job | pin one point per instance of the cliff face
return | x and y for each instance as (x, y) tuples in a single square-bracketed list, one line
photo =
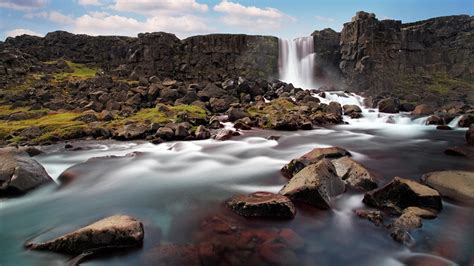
[(160, 53), (419, 61)]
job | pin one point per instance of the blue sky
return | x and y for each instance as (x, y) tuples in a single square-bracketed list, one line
[(283, 18)]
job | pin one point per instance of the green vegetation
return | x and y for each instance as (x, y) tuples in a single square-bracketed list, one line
[(272, 108), (78, 72)]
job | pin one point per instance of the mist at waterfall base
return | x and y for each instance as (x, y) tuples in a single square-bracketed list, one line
[(171, 187)]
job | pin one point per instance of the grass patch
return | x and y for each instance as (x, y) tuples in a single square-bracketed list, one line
[(272, 108), (79, 72)]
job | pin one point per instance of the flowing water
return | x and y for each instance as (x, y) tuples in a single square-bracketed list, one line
[(172, 186), (297, 62)]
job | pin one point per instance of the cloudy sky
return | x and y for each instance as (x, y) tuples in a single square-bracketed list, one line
[(283, 18)]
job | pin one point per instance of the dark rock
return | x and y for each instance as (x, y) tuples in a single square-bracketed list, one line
[(242, 126), (181, 132), (389, 105), (466, 120), (375, 217), (262, 204), (236, 114), (354, 174), (224, 134), (87, 118), (165, 133), (463, 151), (457, 185), (350, 109), (402, 193), (295, 165), (315, 185), (334, 108), (202, 132), (132, 131), (19, 173), (114, 232), (443, 127), (434, 120), (470, 135), (407, 107)]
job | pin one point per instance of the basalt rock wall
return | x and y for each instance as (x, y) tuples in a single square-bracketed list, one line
[(159, 53)]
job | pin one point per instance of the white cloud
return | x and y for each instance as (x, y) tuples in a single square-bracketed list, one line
[(251, 17), (53, 16), (154, 7), (89, 2), (18, 32), (324, 19), (22, 5), (100, 23)]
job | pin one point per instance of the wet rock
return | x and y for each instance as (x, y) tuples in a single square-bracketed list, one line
[(434, 120), (225, 134), (274, 138), (262, 204), (114, 232), (376, 217), (410, 219), (352, 109), (132, 131), (165, 133), (423, 110), (295, 165), (462, 151), (334, 108), (173, 255), (443, 127), (315, 185), (470, 135), (242, 126), (389, 105), (466, 120), (401, 193), (407, 107), (19, 173), (457, 185), (181, 132), (354, 174), (236, 114), (202, 132)]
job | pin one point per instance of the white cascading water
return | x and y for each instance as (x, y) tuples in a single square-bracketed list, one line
[(296, 62)]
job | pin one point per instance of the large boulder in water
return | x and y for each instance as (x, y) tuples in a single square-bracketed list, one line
[(262, 204), (402, 193), (458, 185), (19, 173), (423, 109), (354, 174), (295, 165), (334, 108), (114, 232), (389, 105), (315, 185)]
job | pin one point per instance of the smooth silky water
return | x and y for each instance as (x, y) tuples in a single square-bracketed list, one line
[(172, 186)]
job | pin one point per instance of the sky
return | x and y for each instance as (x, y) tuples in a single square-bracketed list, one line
[(283, 18)]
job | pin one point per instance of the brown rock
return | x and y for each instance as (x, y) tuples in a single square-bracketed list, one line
[(262, 204), (315, 184), (354, 174), (402, 193), (114, 232), (458, 185), (470, 135), (422, 110), (389, 105)]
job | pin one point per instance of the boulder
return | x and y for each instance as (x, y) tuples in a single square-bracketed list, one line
[(236, 114), (262, 204), (351, 108), (114, 232), (457, 185), (132, 131), (470, 135), (434, 120), (376, 217), (315, 185), (225, 134), (409, 220), (202, 132), (462, 151), (334, 108), (295, 165), (401, 193), (389, 105), (354, 174), (165, 133), (19, 173), (466, 120), (423, 110)]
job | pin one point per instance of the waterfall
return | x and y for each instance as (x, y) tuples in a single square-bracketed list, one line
[(296, 62)]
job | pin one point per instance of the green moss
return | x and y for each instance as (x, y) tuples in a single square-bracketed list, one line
[(193, 111), (51, 124), (79, 71), (272, 108)]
